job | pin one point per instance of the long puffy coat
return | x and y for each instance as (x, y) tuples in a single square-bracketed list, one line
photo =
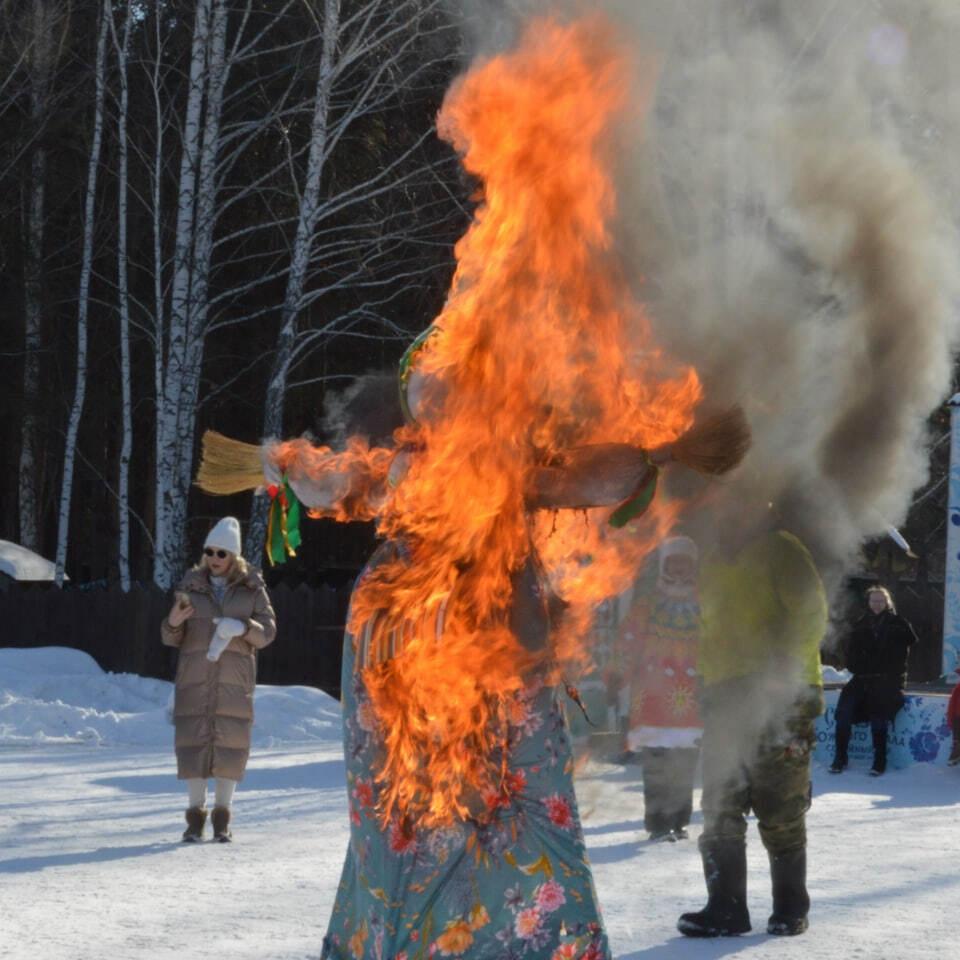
[(876, 654), (213, 706)]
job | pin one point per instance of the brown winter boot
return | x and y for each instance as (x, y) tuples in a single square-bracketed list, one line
[(196, 818), (221, 824)]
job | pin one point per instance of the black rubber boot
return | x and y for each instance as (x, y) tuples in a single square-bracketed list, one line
[(196, 818), (879, 753), (725, 871), (791, 902), (221, 824)]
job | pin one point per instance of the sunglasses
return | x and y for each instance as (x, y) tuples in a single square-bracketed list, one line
[(220, 554)]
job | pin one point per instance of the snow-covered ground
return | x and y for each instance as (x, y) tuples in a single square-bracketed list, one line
[(91, 866)]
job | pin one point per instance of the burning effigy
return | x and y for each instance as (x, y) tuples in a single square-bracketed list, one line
[(521, 492)]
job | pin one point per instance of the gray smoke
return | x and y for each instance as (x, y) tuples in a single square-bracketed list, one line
[(369, 407), (787, 212), (786, 208)]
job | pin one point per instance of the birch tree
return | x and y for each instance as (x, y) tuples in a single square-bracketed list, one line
[(179, 345), (157, 38), (300, 253), (212, 59), (41, 64), (122, 52), (83, 301)]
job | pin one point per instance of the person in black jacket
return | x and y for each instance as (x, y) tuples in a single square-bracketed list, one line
[(876, 654)]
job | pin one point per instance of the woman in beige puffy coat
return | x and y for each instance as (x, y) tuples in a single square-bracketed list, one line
[(220, 618)]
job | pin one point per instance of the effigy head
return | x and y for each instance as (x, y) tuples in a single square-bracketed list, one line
[(420, 392)]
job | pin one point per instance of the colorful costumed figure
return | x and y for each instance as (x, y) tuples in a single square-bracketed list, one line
[(659, 644)]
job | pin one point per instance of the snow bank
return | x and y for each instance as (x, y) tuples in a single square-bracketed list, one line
[(59, 695), (832, 675)]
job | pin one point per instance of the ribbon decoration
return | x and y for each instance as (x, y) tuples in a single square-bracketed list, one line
[(283, 526), (408, 363), (638, 502)]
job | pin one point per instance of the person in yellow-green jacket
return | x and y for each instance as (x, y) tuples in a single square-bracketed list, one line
[(764, 613)]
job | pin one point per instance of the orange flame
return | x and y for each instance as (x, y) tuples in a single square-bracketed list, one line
[(540, 348)]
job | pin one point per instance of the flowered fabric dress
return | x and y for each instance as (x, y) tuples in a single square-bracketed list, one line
[(516, 886)]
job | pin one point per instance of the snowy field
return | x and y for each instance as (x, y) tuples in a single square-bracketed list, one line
[(91, 866)]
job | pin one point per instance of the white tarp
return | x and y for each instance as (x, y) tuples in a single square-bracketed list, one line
[(23, 564)]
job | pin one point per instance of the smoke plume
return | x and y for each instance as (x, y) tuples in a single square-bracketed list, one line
[(787, 185), (785, 189)]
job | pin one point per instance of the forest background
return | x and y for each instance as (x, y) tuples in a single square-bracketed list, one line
[(211, 212)]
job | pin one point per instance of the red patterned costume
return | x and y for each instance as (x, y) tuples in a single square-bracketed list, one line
[(659, 639)]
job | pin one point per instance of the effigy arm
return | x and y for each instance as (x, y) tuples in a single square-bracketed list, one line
[(344, 485), (349, 484), (597, 475)]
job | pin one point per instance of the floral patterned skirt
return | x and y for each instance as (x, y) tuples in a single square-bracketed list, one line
[(516, 886)]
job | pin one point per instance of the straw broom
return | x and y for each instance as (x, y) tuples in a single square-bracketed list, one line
[(228, 466), (716, 444)]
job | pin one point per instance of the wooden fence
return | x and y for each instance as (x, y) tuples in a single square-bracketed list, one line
[(121, 631)]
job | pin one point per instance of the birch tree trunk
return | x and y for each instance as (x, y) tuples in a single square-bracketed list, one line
[(198, 210), (168, 539), (86, 268), (122, 49), (159, 326), (217, 73), (41, 63), (299, 262)]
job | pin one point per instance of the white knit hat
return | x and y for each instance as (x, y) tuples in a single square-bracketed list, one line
[(225, 535)]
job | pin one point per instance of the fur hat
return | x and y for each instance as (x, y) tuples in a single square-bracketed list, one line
[(225, 535)]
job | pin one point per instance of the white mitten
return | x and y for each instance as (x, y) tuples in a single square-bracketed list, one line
[(227, 629), (231, 627), (218, 644)]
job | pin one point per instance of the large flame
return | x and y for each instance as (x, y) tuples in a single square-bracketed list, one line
[(539, 349)]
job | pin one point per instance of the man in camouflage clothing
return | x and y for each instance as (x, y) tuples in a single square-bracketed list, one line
[(764, 615)]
